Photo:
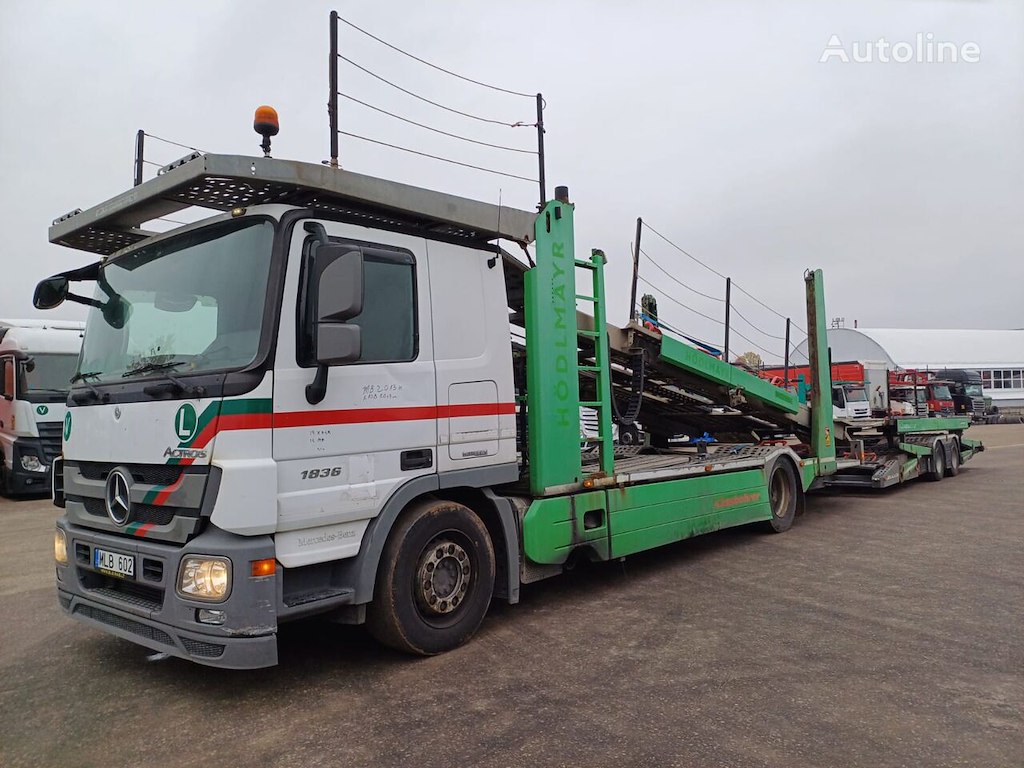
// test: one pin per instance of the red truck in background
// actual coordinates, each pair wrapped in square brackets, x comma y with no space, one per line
[926,388]
[861,389]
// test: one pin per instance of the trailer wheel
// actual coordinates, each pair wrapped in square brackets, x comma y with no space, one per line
[954,460]
[435,580]
[938,470]
[782,497]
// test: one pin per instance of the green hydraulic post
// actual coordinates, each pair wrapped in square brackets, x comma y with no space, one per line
[552,365]
[602,370]
[823,445]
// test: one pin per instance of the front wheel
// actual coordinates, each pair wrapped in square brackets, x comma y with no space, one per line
[435,580]
[782,497]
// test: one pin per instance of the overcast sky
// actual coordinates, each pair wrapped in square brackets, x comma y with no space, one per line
[715,122]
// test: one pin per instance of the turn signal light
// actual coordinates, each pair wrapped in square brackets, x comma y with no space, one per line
[263,567]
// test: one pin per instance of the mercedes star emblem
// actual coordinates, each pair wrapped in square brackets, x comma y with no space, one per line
[118,496]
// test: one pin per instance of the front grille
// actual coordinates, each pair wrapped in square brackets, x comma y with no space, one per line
[200,648]
[50,433]
[150,474]
[126,625]
[978,403]
[130,592]
[142,513]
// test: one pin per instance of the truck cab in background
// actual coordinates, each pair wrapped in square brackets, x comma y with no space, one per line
[849,401]
[37,361]
[966,391]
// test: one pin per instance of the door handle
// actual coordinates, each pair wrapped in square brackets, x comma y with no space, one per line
[421,459]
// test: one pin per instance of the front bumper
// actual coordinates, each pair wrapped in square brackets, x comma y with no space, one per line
[147,610]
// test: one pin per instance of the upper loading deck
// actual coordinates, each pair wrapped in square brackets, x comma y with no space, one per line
[224,182]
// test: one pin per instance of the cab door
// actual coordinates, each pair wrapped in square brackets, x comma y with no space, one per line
[340,459]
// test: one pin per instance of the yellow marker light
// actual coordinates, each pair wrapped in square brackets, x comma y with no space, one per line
[60,546]
[262,568]
[588,483]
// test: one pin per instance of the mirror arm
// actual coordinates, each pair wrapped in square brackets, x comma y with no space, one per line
[89,302]
[317,389]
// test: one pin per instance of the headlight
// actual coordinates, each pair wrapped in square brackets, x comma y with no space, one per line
[32,463]
[60,546]
[204,578]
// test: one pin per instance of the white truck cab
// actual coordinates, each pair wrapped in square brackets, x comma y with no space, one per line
[850,401]
[37,360]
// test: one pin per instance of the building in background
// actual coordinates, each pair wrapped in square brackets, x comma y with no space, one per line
[997,355]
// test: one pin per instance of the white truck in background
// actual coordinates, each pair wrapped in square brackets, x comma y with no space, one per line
[37,360]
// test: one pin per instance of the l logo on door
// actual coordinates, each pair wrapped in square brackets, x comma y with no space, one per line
[185,422]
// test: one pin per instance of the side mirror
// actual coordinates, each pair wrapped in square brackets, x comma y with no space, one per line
[10,374]
[339,292]
[116,312]
[50,293]
[338,343]
[340,287]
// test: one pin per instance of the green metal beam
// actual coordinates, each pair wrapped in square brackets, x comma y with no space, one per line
[936,424]
[724,374]
[552,374]
[823,444]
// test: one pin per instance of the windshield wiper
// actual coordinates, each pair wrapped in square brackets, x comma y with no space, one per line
[83,377]
[175,383]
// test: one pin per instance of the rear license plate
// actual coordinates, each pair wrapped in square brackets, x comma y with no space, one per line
[114,563]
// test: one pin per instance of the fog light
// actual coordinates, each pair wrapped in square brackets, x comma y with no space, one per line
[204,578]
[32,463]
[60,546]
[208,616]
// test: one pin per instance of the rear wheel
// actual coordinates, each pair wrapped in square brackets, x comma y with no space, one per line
[435,580]
[954,460]
[938,469]
[782,497]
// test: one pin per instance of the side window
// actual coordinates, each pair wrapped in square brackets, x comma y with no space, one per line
[388,319]
[7,377]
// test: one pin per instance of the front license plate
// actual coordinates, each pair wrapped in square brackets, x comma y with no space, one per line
[114,563]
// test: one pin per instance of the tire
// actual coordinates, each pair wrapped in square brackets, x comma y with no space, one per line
[938,470]
[435,580]
[953,468]
[6,489]
[782,497]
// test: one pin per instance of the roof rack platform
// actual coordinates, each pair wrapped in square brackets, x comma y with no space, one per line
[223,182]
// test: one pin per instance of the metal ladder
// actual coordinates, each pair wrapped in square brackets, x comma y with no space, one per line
[601,370]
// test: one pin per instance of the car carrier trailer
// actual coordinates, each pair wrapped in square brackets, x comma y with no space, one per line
[312,403]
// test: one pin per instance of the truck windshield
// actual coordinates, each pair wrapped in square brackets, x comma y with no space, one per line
[187,304]
[940,392]
[856,395]
[974,390]
[50,377]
